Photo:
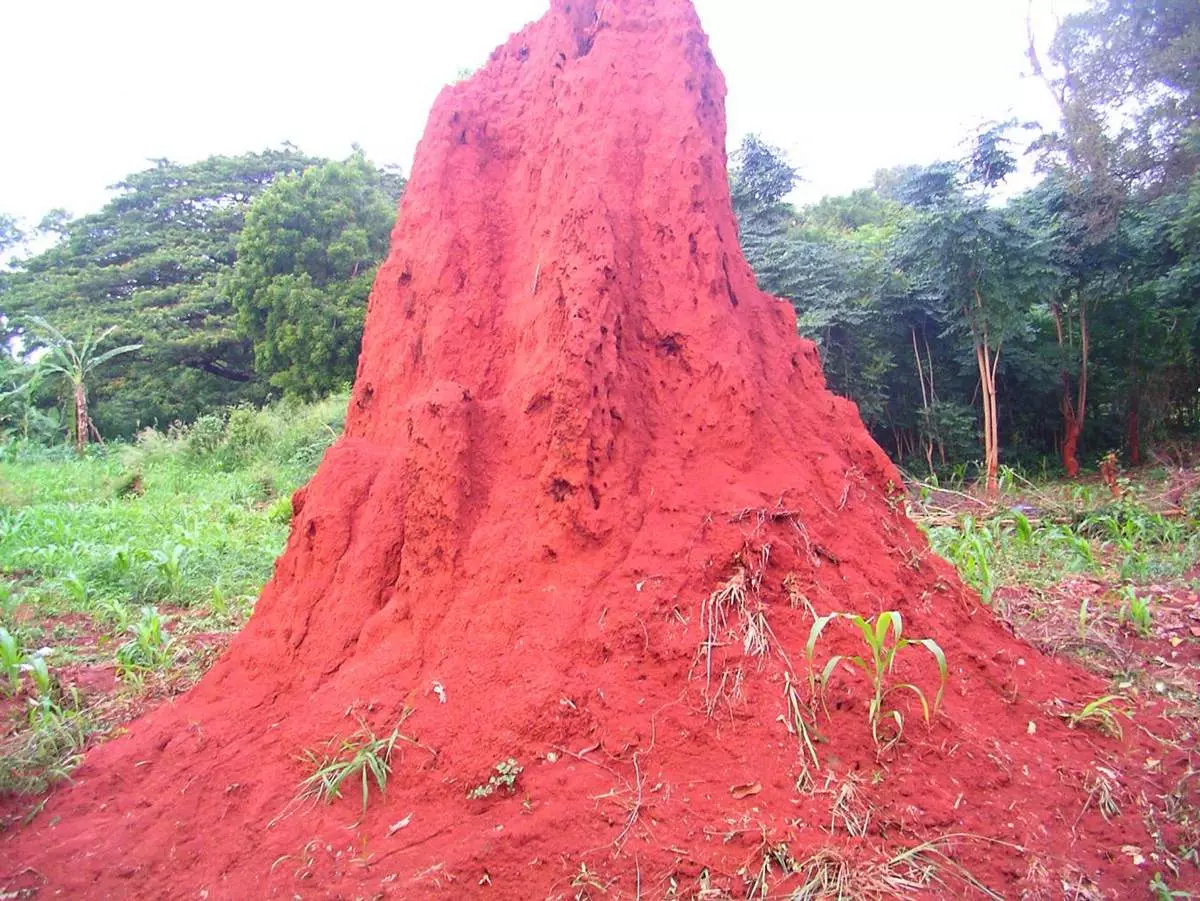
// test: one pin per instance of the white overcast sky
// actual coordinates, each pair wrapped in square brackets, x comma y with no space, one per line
[92,89]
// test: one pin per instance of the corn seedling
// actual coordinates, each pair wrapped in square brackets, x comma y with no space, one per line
[76,589]
[168,567]
[10,661]
[505,778]
[972,549]
[150,647]
[884,640]
[360,758]
[1101,713]
[1136,612]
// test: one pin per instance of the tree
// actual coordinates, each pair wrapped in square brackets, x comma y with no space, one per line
[980,267]
[150,260]
[306,263]
[1127,82]
[1126,77]
[74,364]
[10,233]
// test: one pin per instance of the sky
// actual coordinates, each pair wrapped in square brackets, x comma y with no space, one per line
[94,90]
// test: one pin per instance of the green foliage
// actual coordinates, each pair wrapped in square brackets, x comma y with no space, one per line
[199,521]
[1135,610]
[73,364]
[10,661]
[762,177]
[10,233]
[306,262]
[150,260]
[505,778]
[883,639]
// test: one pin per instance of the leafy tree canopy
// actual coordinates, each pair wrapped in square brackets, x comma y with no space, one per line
[150,261]
[306,263]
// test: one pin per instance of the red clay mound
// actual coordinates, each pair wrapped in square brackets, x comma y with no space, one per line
[591,489]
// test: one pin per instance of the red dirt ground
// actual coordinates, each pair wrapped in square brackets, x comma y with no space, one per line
[575,417]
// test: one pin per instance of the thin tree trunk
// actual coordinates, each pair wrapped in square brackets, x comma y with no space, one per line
[928,438]
[82,420]
[988,362]
[1073,408]
[1133,438]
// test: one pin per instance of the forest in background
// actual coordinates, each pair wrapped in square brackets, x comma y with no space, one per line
[972,325]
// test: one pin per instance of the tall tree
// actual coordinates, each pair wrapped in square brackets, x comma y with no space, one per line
[981,267]
[150,260]
[1126,77]
[10,232]
[306,262]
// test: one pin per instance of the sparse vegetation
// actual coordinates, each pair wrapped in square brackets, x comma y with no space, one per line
[504,778]
[358,759]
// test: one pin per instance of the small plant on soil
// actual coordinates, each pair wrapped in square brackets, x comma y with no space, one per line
[1102,714]
[1136,612]
[505,778]
[10,661]
[150,647]
[360,758]
[33,759]
[883,638]
[1162,892]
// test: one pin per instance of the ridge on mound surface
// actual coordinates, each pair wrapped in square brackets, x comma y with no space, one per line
[591,494]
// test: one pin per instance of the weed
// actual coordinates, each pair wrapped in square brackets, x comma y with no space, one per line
[769,857]
[32,759]
[1162,892]
[505,778]
[1102,788]
[830,874]
[877,665]
[1102,714]
[733,598]
[361,757]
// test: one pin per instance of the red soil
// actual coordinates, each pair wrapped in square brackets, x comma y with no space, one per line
[575,417]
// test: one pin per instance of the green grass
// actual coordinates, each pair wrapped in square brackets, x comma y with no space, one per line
[113,557]
[1038,536]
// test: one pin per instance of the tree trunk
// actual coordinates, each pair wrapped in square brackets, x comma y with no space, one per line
[1133,438]
[988,362]
[928,438]
[991,446]
[1073,408]
[82,420]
